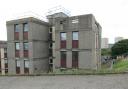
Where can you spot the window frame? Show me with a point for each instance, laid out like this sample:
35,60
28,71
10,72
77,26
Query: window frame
17,46
24,46
73,34
25,26
16,28
61,38
63,60
75,58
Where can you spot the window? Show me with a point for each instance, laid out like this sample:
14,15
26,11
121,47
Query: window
62,40
25,27
17,46
50,30
25,49
74,35
17,63
5,50
17,66
26,66
17,49
63,59
25,45
75,59
26,63
6,66
16,27
75,39
75,21
25,31
16,32
63,36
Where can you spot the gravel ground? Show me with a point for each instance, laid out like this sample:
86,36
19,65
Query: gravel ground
118,81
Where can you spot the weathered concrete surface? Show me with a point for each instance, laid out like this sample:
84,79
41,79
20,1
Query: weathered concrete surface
65,82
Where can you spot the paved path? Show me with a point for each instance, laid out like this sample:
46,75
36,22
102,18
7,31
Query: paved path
65,82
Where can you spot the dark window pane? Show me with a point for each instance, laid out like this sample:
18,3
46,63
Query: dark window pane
17,66
75,59
75,43
62,40
75,40
25,35
16,36
63,59
25,53
26,66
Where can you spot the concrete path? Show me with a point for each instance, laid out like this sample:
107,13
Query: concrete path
119,81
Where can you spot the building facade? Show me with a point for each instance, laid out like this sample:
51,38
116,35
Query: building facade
35,46
104,43
3,58
77,41
28,49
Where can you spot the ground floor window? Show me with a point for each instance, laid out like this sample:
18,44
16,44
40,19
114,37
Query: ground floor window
63,59
26,66
75,59
17,66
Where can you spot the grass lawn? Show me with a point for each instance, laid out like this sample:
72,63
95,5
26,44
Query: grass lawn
121,65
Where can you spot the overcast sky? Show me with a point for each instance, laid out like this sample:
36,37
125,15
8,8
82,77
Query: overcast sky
111,14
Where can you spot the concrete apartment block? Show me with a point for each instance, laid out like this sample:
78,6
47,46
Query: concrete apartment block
89,37
104,43
36,39
117,39
65,42
3,58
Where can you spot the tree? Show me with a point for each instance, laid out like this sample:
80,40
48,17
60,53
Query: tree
106,52
120,48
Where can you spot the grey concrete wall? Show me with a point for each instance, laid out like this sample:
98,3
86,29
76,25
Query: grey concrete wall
40,47
89,55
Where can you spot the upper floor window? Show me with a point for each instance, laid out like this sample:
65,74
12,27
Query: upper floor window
75,21
25,27
75,36
17,46
62,36
25,45
16,28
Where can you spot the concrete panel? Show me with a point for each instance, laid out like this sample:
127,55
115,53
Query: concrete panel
11,51
10,32
69,40
39,32
57,40
57,59
69,59
40,65
21,31
85,59
40,49
11,66
85,39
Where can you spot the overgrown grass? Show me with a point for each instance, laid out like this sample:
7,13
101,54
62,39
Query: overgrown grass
121,65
